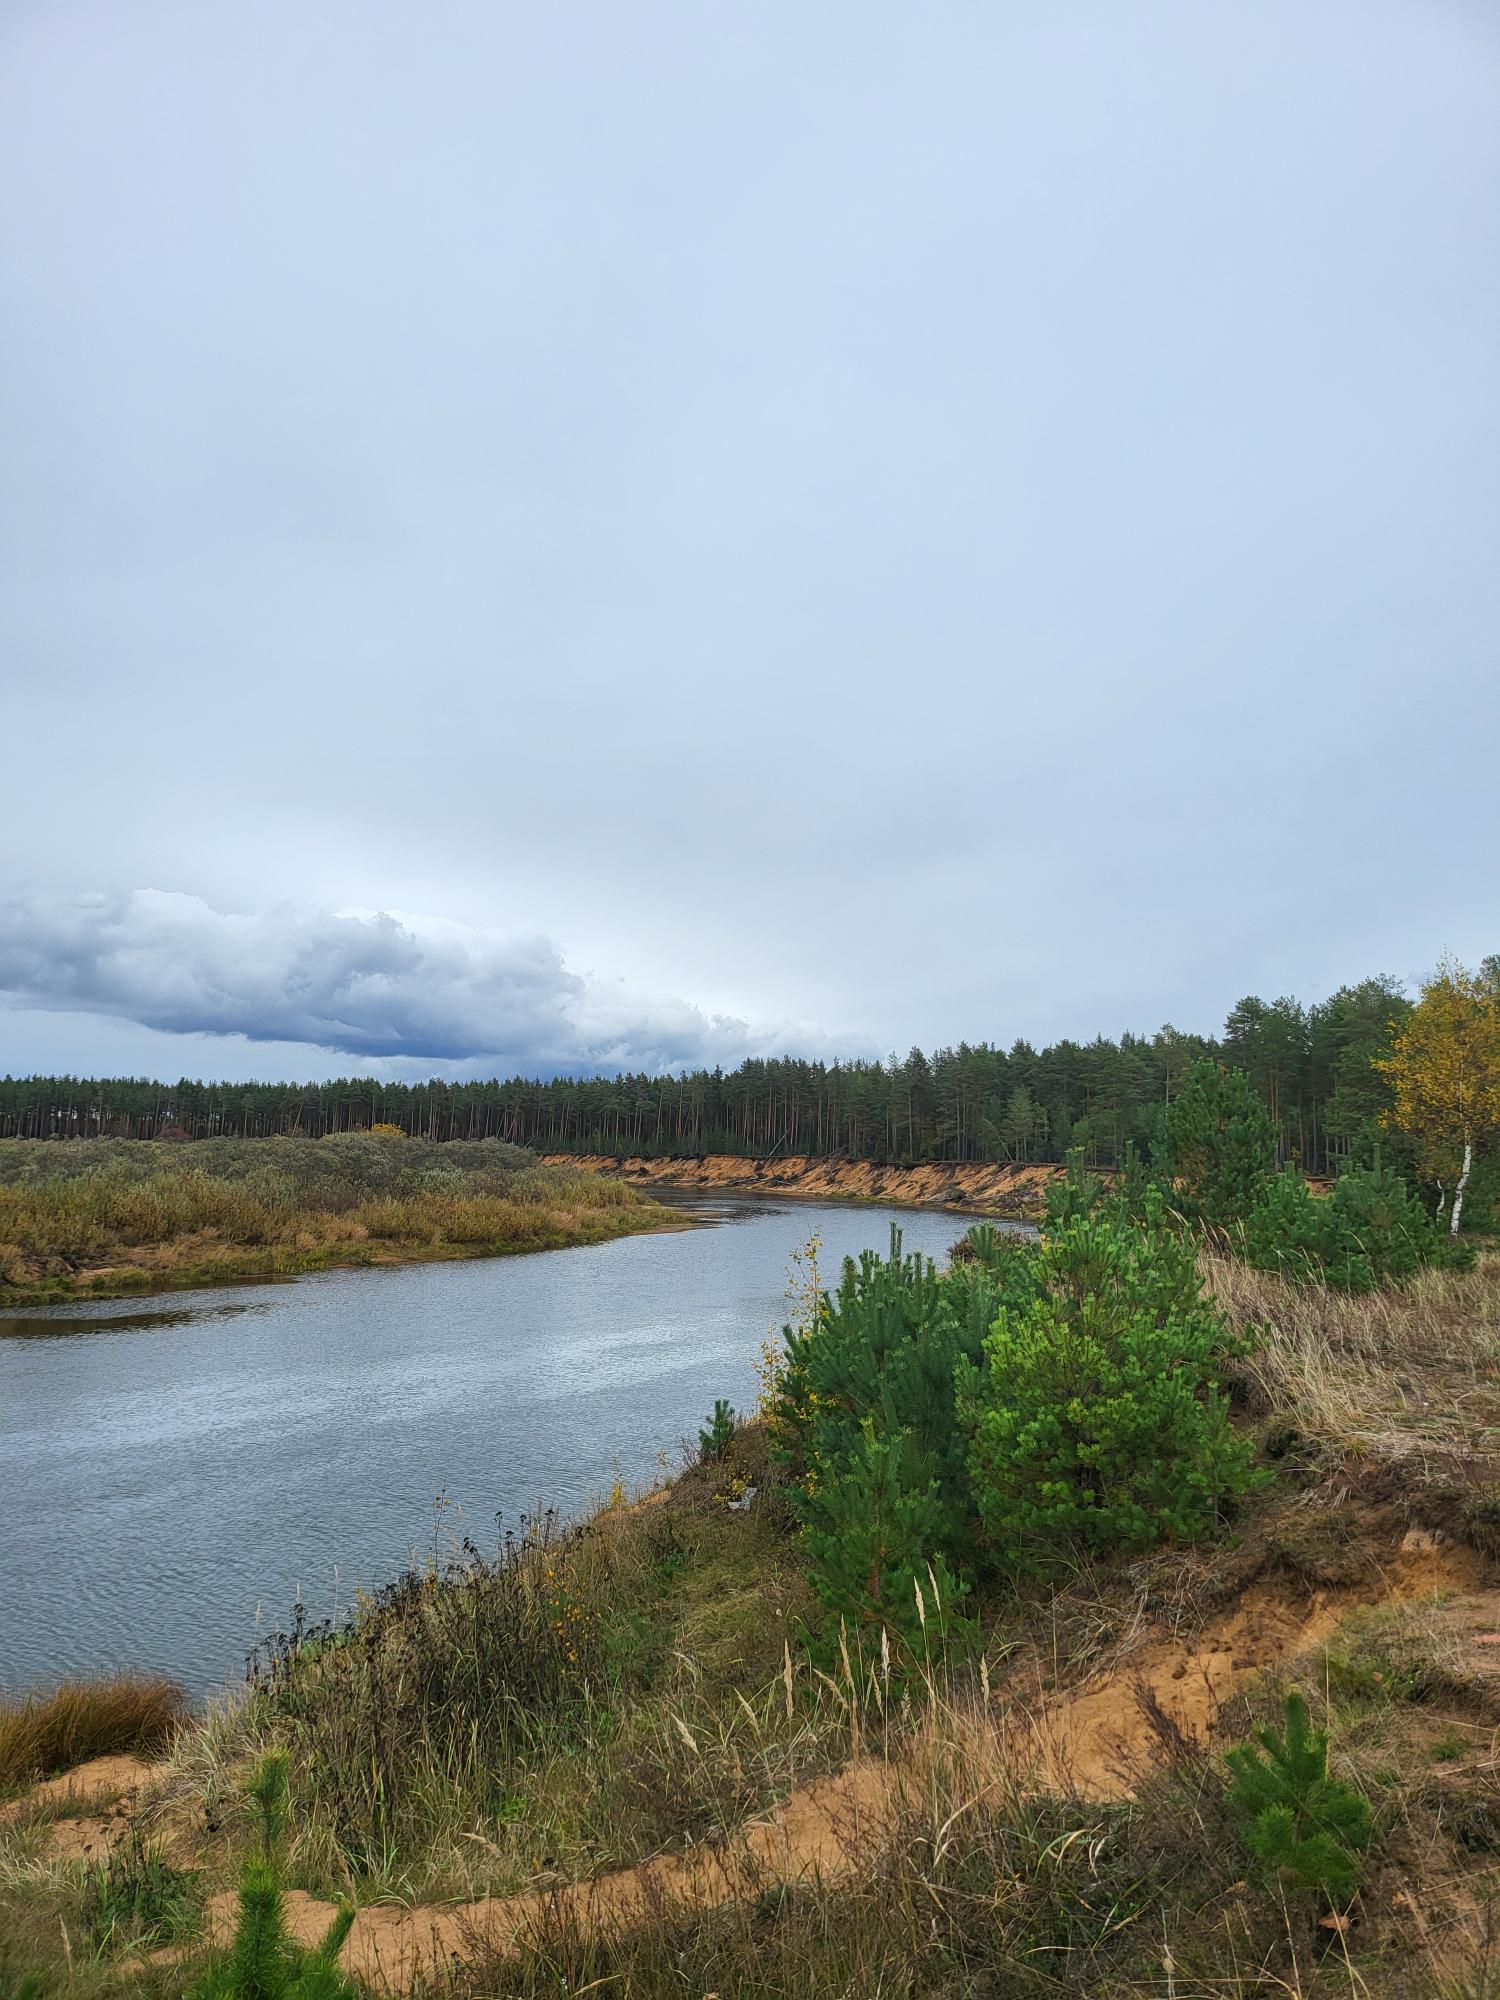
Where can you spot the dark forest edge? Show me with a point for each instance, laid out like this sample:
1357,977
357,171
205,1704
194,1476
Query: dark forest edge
1323,1074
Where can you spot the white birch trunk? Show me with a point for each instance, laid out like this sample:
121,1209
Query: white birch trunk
1463,1182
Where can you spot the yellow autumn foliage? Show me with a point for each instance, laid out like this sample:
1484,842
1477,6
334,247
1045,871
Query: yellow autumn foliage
1444,1069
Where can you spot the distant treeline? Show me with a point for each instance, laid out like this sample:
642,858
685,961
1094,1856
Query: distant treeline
1312,1067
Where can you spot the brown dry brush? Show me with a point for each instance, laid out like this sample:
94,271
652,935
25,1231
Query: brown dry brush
126,1714
63,1208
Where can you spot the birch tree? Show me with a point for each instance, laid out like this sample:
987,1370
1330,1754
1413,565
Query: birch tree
1444,1073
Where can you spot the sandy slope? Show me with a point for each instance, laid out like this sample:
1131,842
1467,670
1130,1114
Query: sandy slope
1095,1738
988,1189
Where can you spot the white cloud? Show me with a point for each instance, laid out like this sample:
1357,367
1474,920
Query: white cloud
370,984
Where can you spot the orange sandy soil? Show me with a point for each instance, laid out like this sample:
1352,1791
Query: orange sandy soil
983,1187
1096,1738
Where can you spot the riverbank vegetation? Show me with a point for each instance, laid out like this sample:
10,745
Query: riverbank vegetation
925,1679
121,1714
1372,1075
1314,1068
104,1217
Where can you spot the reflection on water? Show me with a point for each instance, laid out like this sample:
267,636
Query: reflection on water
168,1497
116,1316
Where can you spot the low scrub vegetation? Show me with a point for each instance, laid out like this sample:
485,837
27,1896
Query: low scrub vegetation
1099,1615
106,1216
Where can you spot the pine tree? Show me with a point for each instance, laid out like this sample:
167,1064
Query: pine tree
1098,1420
1217,1145
264,1962
1299,1822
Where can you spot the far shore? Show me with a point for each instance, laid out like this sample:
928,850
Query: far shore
1013,1190
237,1266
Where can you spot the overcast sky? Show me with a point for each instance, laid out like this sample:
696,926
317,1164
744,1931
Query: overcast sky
546,537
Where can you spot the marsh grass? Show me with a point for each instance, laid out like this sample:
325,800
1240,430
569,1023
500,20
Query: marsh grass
107,1216
41,1734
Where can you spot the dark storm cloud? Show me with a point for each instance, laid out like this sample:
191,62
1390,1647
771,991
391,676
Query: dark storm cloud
366,985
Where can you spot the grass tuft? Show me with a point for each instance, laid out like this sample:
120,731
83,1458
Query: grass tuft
44,1734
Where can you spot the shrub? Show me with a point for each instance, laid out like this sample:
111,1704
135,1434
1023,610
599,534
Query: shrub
1076,1194
1369,1230
1097,1419
864,1413
873,1531
1298,1822
885,1347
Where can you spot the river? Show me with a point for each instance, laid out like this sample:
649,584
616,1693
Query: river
178,1471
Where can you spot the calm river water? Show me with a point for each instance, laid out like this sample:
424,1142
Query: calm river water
177,1471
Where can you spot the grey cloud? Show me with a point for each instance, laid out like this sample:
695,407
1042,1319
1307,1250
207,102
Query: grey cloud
964,521
372,985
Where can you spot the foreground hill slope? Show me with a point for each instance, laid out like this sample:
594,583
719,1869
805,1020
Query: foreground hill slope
634,1759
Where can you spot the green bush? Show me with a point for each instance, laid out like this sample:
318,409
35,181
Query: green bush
1300,1824
1097,1420
1077,1194
884,1347
865,1417
1369,1230
873,1531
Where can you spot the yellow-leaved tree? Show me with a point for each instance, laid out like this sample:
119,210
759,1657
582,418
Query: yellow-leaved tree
1444,1073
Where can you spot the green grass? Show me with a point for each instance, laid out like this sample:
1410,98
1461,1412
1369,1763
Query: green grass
137,1899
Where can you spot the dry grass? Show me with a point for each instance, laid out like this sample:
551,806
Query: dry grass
583,1700
41,1735
1404,1381
980,1880
101,1217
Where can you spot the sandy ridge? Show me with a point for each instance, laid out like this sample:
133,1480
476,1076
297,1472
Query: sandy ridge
985,1187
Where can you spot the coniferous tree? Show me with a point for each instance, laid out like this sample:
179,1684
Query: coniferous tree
1217,1145
1300,1823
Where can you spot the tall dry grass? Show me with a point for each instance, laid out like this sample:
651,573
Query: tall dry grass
108,1208
580,1700
43,1734
1407,1379
959,1869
